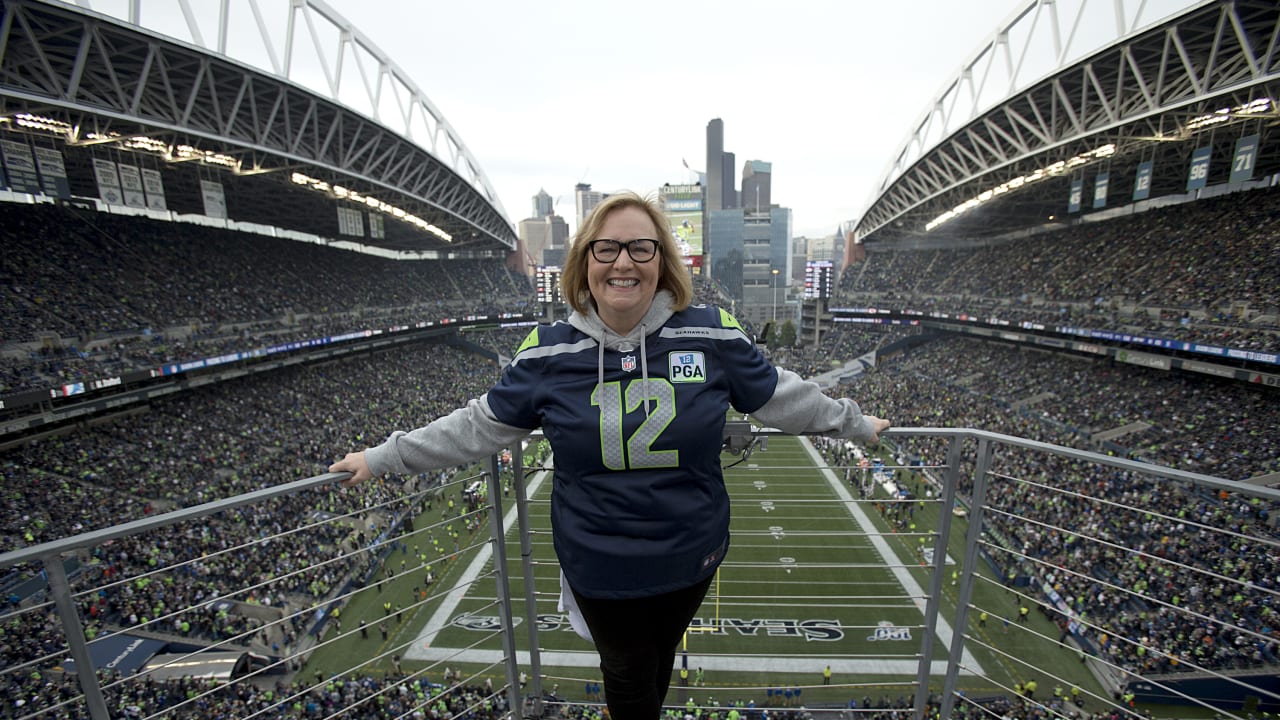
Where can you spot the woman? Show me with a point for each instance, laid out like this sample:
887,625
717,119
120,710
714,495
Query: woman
632,393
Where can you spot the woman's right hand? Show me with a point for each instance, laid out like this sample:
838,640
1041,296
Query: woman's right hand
355,464
878,425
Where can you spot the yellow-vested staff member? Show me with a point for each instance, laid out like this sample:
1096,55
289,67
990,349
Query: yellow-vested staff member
632,393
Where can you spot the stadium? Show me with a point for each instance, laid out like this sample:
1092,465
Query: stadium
1066,293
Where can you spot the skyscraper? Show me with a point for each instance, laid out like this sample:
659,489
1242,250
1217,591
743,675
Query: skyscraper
543,205
720,187
729,180
746,248
542,237
756,180
586,199
715,169
722,191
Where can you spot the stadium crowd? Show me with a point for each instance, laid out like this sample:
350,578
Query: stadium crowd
215,443
1174,272
840,344
1199,592
231,445
369,697
112,289
415,696
1200,272
88,295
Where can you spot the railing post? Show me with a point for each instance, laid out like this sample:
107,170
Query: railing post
60,590
950,482
503,584
530,596
974,534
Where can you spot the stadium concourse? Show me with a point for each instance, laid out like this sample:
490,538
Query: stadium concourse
120,293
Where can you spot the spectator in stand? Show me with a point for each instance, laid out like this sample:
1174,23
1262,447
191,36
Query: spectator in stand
1178,272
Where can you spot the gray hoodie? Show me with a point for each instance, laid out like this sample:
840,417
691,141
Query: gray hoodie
473,431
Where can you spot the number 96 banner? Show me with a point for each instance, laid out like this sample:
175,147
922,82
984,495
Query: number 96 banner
1198,174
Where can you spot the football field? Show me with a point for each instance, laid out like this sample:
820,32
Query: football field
824,569
810,581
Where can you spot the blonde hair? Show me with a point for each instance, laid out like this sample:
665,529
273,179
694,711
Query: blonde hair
672,274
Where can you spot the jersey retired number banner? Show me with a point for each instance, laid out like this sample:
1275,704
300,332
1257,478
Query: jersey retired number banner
1245,157
1100,190
1073,200
1142,182
1198,174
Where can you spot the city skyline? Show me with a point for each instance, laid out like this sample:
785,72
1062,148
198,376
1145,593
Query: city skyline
553,99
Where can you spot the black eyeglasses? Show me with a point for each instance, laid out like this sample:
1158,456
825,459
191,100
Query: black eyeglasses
641,251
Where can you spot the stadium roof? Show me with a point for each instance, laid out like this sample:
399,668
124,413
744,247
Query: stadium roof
1141,105
99,88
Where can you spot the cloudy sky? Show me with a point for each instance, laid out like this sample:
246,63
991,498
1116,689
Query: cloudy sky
549,93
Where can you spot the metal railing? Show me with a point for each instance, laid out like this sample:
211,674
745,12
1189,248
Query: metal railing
1003,564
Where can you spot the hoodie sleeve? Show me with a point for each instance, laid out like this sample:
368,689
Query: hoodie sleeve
465,435
798,406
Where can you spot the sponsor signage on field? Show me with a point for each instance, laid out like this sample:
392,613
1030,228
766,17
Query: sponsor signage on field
809,630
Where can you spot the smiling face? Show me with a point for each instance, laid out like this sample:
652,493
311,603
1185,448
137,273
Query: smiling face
624,288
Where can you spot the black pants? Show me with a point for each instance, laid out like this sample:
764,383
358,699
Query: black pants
637,642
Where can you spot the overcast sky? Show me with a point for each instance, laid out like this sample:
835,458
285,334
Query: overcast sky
546,94
549,94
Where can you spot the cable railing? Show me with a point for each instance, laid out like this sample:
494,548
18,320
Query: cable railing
1007,578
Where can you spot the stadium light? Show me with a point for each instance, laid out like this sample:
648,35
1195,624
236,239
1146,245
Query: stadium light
1051,170
38,122
171,153
95,138
188,152
1222,115
149,144
344,193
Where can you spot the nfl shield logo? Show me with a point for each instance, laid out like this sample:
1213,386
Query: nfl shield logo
628,363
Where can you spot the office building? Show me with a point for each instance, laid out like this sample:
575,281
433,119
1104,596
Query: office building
543,205
756,176
746,247
721,179
715,148
830,249
586,200
541,237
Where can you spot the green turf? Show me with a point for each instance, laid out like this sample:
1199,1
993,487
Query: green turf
802,587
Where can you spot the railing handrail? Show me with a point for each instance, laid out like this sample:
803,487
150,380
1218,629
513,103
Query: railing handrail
173,517
50,553
115,532
1145,468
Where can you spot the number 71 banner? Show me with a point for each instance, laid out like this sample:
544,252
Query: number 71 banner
1246,156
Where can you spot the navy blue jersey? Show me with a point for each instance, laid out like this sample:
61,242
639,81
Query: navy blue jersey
639,505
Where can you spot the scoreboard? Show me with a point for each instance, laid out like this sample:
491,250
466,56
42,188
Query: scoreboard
548,281
817,279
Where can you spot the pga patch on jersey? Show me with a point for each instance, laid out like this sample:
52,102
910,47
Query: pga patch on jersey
687,367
